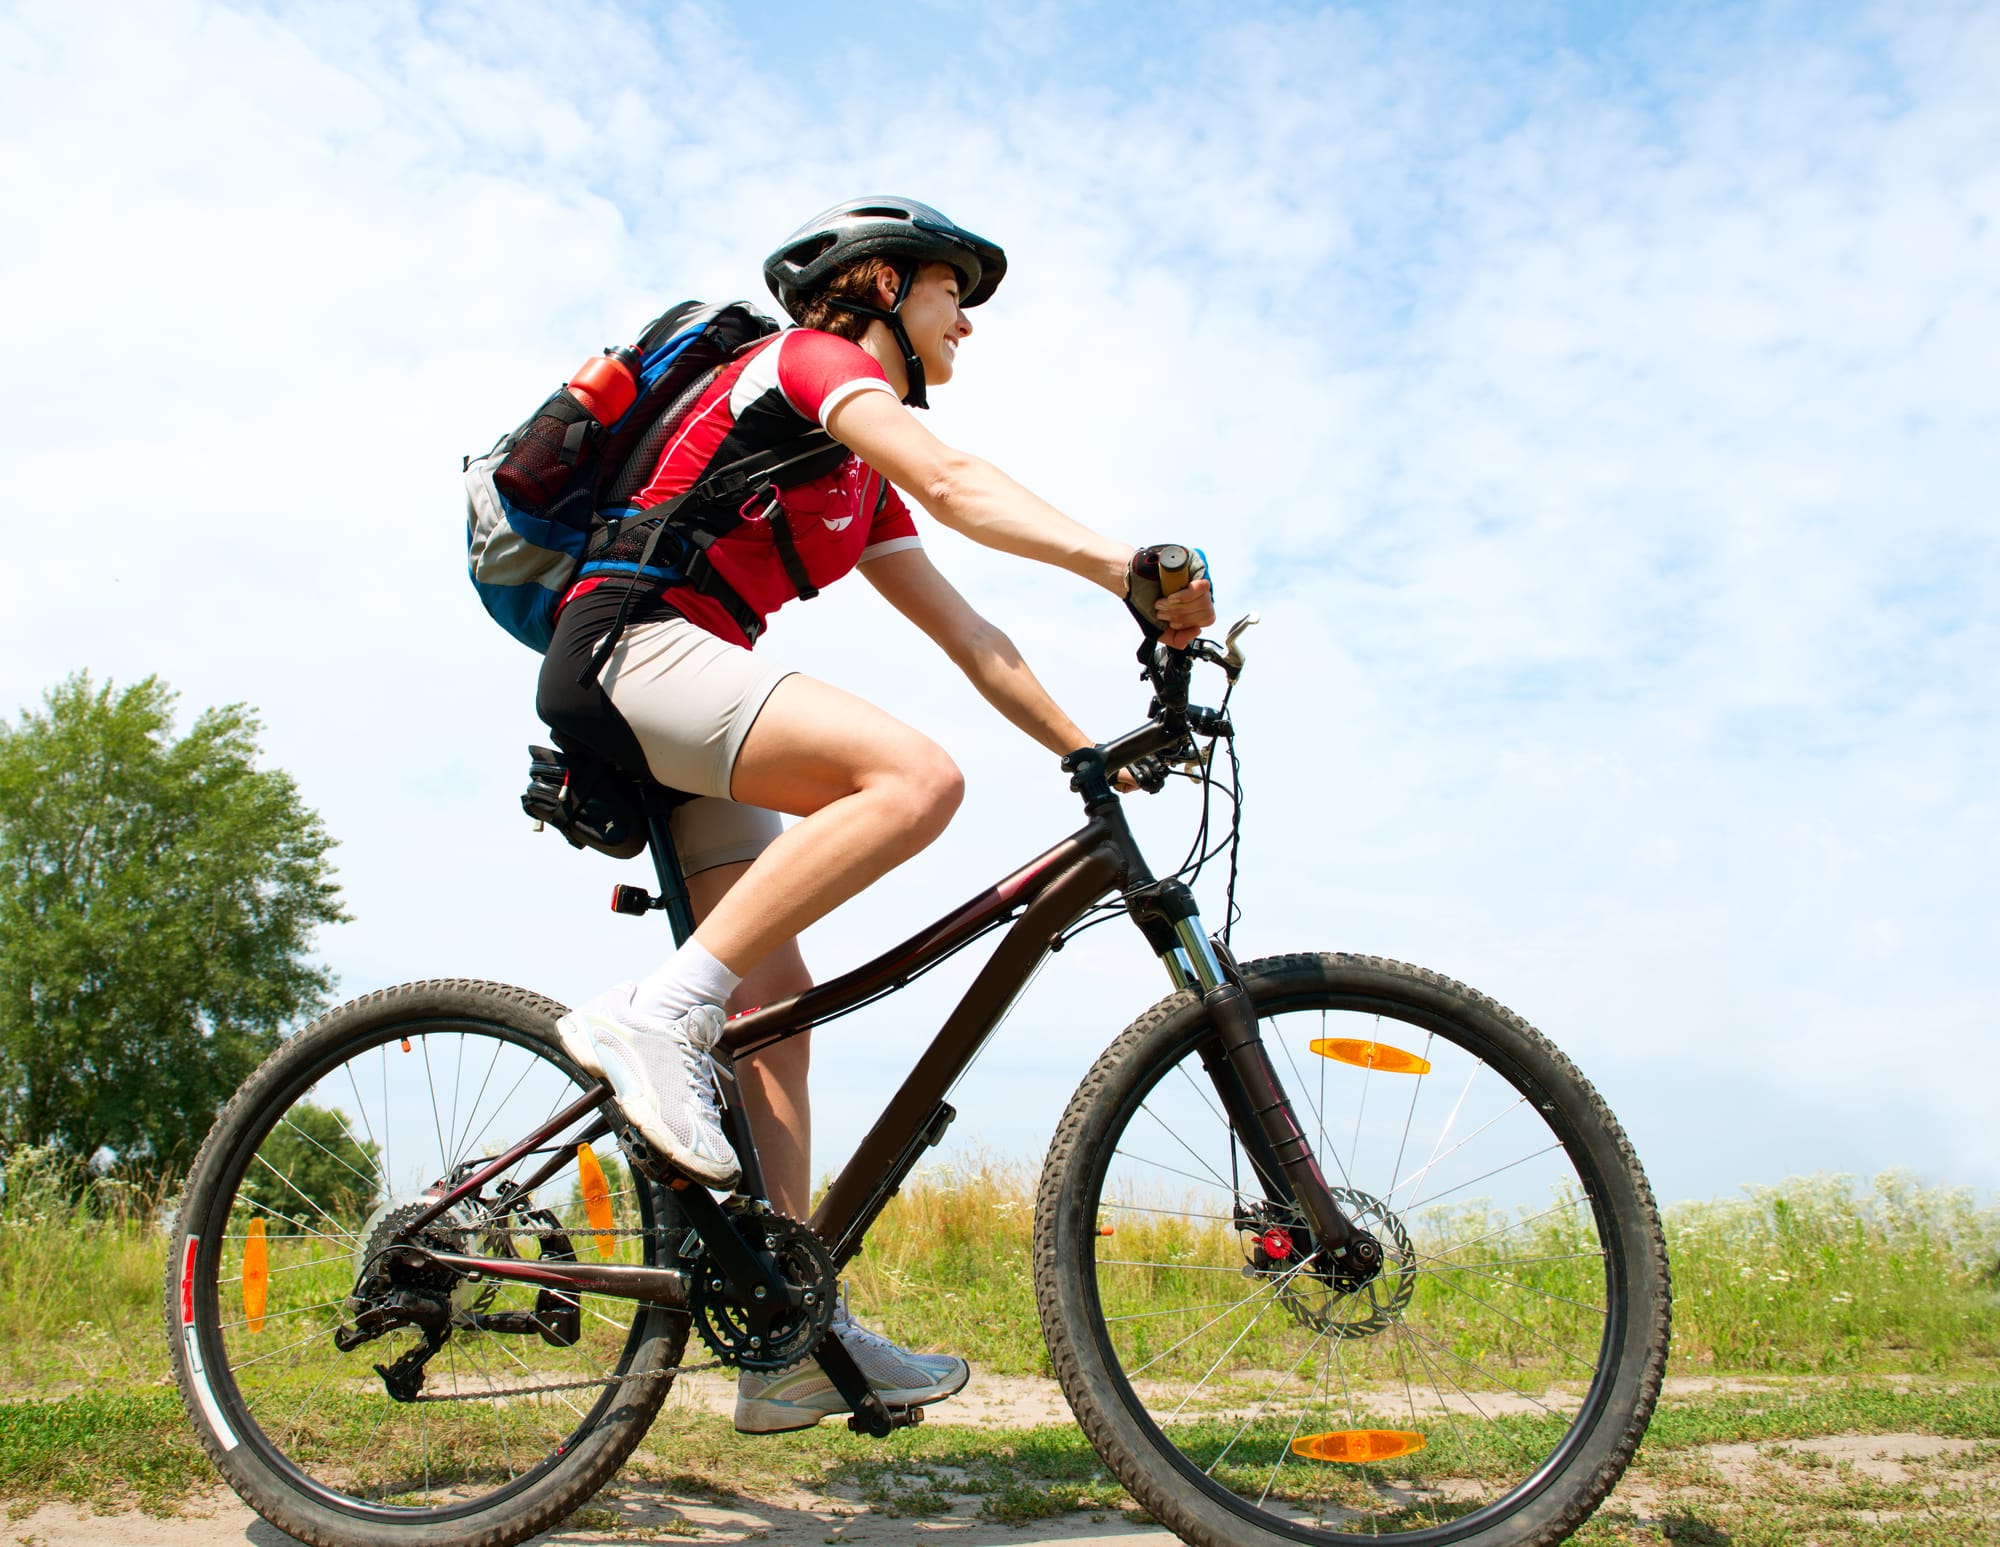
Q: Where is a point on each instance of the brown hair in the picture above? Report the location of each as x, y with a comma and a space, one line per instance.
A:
856, 282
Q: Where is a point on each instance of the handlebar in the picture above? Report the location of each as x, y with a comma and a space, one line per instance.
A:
1171, 720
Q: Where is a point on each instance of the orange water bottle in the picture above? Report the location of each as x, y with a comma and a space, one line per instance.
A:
607, 384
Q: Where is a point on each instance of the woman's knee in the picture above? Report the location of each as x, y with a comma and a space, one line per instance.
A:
928, 788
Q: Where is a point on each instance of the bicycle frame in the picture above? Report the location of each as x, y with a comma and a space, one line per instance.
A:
1042, 899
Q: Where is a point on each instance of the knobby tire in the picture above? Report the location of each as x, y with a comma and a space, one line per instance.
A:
1519, 1332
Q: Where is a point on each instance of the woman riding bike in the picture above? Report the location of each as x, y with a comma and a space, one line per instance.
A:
879, 289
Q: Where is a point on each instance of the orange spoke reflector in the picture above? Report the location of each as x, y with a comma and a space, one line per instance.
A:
1358, 1445
596, 1199
1364, 1054
406, 1044
256, 1275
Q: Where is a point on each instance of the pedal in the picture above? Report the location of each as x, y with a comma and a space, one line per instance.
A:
875, 1417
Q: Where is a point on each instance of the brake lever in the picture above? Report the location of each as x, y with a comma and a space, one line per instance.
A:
1232, 656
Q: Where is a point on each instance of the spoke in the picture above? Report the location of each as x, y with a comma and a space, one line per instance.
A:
457, 1084
296, 1267
1546, 1294
499, 1416
303, 1310
1248, 1327
345, 1233
1262, 1289
1474, 1364
1484, 1176
1553, 1208
1183, 1143
1460, 1289
1179, 1310
437, 1125
1206, 1100
1160, 1165
1140, 1208
1258, 1412
1450, 1121
361, 1108
1319, 1113
1360, 1107
1297, 1424
305, 1407
1486, 1418
1451, 1418
1185, 1267
272, 1353
519, 1080
1430, 1165
492, 1063
360, 1175
1410, 1396
1510, 1262
1410, 1117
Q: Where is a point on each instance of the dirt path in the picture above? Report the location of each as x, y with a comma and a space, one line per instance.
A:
630, 1512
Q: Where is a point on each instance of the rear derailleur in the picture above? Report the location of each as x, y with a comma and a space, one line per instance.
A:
402, 1285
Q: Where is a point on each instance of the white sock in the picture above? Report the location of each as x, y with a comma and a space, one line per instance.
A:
690, 977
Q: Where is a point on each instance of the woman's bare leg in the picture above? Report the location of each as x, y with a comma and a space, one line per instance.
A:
871, 792
773, 1082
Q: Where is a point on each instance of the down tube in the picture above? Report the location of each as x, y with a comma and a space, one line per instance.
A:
892, 1147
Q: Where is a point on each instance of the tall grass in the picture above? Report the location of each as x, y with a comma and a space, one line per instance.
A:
1817, 1274
82, 1259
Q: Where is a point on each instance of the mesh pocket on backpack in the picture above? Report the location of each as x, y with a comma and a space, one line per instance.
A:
538, 466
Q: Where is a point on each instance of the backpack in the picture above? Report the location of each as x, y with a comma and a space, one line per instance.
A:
551, 488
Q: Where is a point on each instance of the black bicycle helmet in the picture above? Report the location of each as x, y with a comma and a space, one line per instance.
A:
883, 228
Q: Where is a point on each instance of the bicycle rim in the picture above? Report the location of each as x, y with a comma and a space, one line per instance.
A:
318, 1162
1488, 1386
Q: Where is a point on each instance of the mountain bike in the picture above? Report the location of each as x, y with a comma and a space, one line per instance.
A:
1327, 1248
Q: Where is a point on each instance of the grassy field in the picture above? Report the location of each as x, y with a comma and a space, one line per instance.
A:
1848, 1310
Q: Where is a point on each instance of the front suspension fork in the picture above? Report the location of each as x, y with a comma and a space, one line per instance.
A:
1247, 1085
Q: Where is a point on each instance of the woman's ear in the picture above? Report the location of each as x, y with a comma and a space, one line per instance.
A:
887, 283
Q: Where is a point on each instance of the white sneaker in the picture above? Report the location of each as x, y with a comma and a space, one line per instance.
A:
801, 1396
661, 1073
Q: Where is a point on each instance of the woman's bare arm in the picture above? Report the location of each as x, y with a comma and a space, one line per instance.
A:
973, 497
915, 588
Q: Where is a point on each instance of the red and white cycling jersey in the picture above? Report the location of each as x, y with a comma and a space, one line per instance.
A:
763, 399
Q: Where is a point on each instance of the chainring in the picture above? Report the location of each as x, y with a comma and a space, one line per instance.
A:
750, 1336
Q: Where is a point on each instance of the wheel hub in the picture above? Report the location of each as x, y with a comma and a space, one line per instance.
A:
1344, 1299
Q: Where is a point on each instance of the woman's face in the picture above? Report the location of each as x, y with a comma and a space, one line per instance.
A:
934, 320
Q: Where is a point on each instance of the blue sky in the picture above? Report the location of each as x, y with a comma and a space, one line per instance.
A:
1597, 402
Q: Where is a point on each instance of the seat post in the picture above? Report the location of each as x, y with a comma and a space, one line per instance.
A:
673, 894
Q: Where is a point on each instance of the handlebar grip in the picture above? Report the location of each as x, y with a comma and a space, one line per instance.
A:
1176, 563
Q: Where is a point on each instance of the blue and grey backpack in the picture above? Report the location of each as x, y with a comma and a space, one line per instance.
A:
536, 499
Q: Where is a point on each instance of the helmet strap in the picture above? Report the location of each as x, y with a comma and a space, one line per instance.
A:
913, 366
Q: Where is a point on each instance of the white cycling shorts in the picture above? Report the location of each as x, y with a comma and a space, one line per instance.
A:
690, 699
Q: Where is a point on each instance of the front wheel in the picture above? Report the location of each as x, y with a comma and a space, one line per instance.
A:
1488, 1387
359, 1405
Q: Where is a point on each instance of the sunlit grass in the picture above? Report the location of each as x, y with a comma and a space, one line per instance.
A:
1813, 1275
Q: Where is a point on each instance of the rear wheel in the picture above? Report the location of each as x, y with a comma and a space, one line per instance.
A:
1489, 1386
529, 1400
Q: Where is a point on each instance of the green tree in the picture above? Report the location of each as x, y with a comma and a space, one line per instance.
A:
311, 1168
157, 902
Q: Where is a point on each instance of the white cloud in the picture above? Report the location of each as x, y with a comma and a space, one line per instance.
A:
1607, 435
